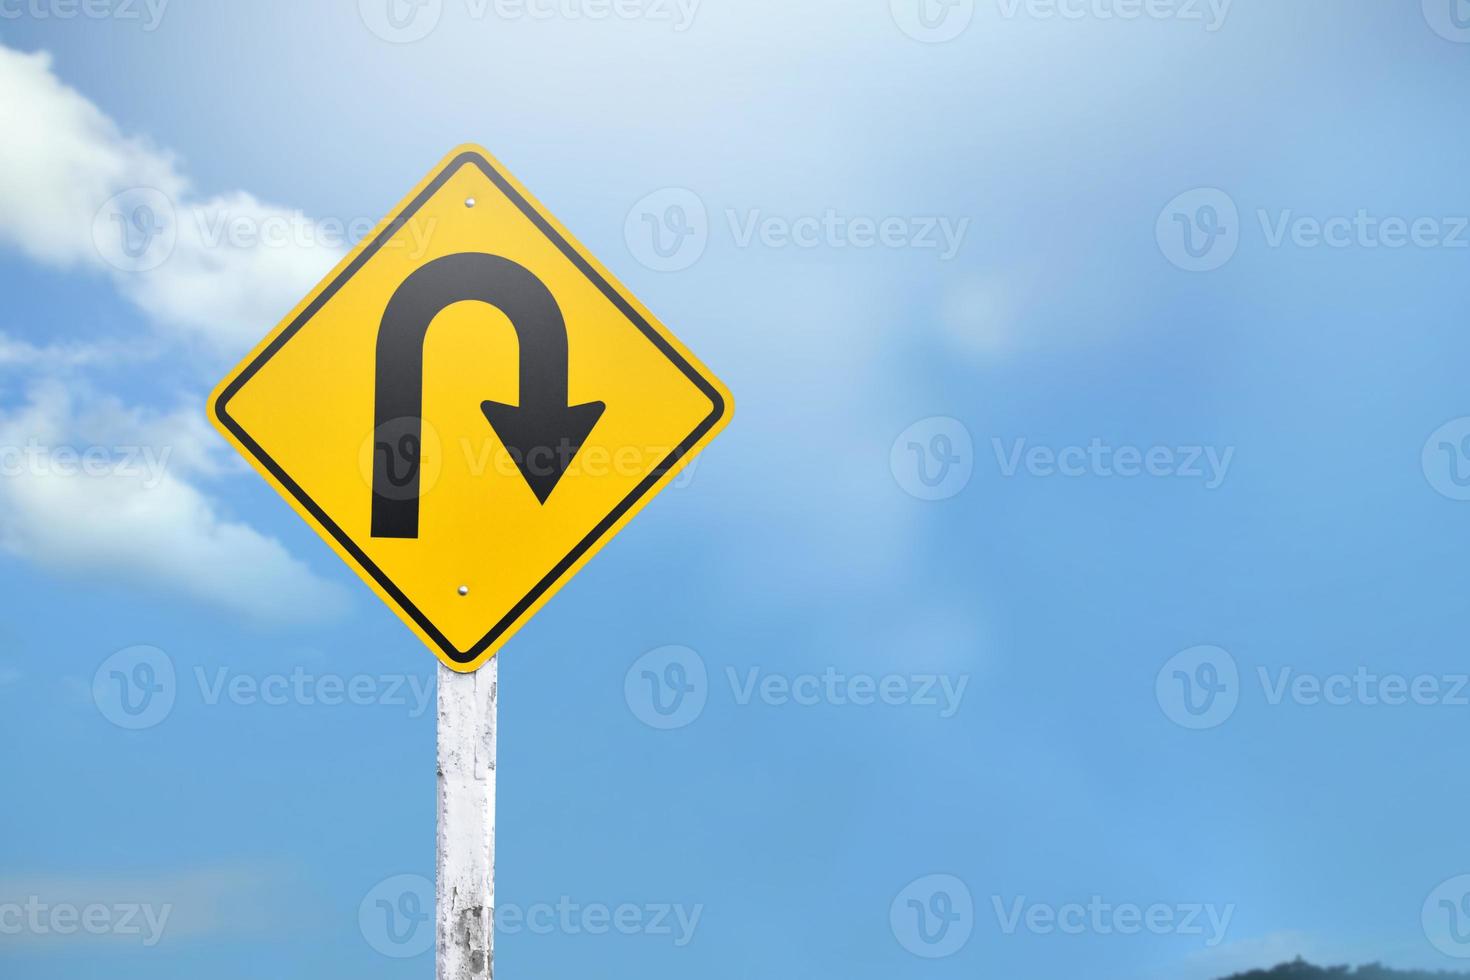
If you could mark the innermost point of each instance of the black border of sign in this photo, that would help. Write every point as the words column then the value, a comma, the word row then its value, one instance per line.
column 616, row 298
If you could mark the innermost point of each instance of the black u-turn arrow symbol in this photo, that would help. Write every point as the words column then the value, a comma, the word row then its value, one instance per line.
column 543, row 434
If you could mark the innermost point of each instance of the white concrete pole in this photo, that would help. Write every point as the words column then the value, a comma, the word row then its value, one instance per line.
column 466, row 853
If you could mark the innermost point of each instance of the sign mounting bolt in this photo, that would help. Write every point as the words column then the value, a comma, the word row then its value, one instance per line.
column 464, row 590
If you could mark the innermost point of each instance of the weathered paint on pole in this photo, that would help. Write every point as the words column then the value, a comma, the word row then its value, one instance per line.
column 466, row 847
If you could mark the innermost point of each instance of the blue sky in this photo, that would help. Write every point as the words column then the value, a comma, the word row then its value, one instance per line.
column 1219, row 247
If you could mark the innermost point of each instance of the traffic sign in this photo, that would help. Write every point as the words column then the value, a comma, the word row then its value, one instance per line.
column 468, row 407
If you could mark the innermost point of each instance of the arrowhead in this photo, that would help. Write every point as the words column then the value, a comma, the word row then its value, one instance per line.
column 543, row 442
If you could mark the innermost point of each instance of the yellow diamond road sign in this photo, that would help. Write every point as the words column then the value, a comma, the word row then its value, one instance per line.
column 468, row 407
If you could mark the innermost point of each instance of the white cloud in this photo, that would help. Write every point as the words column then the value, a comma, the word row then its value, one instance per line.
column 53, row 358
column 99, row 489
column 62, row 158
column 89, row 485
column 221, row 269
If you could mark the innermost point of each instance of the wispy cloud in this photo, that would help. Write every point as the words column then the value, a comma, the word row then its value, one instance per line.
column 66, row 164
column 148, row 911
column 55, row 358
column 95, row 488
column 90, row 485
